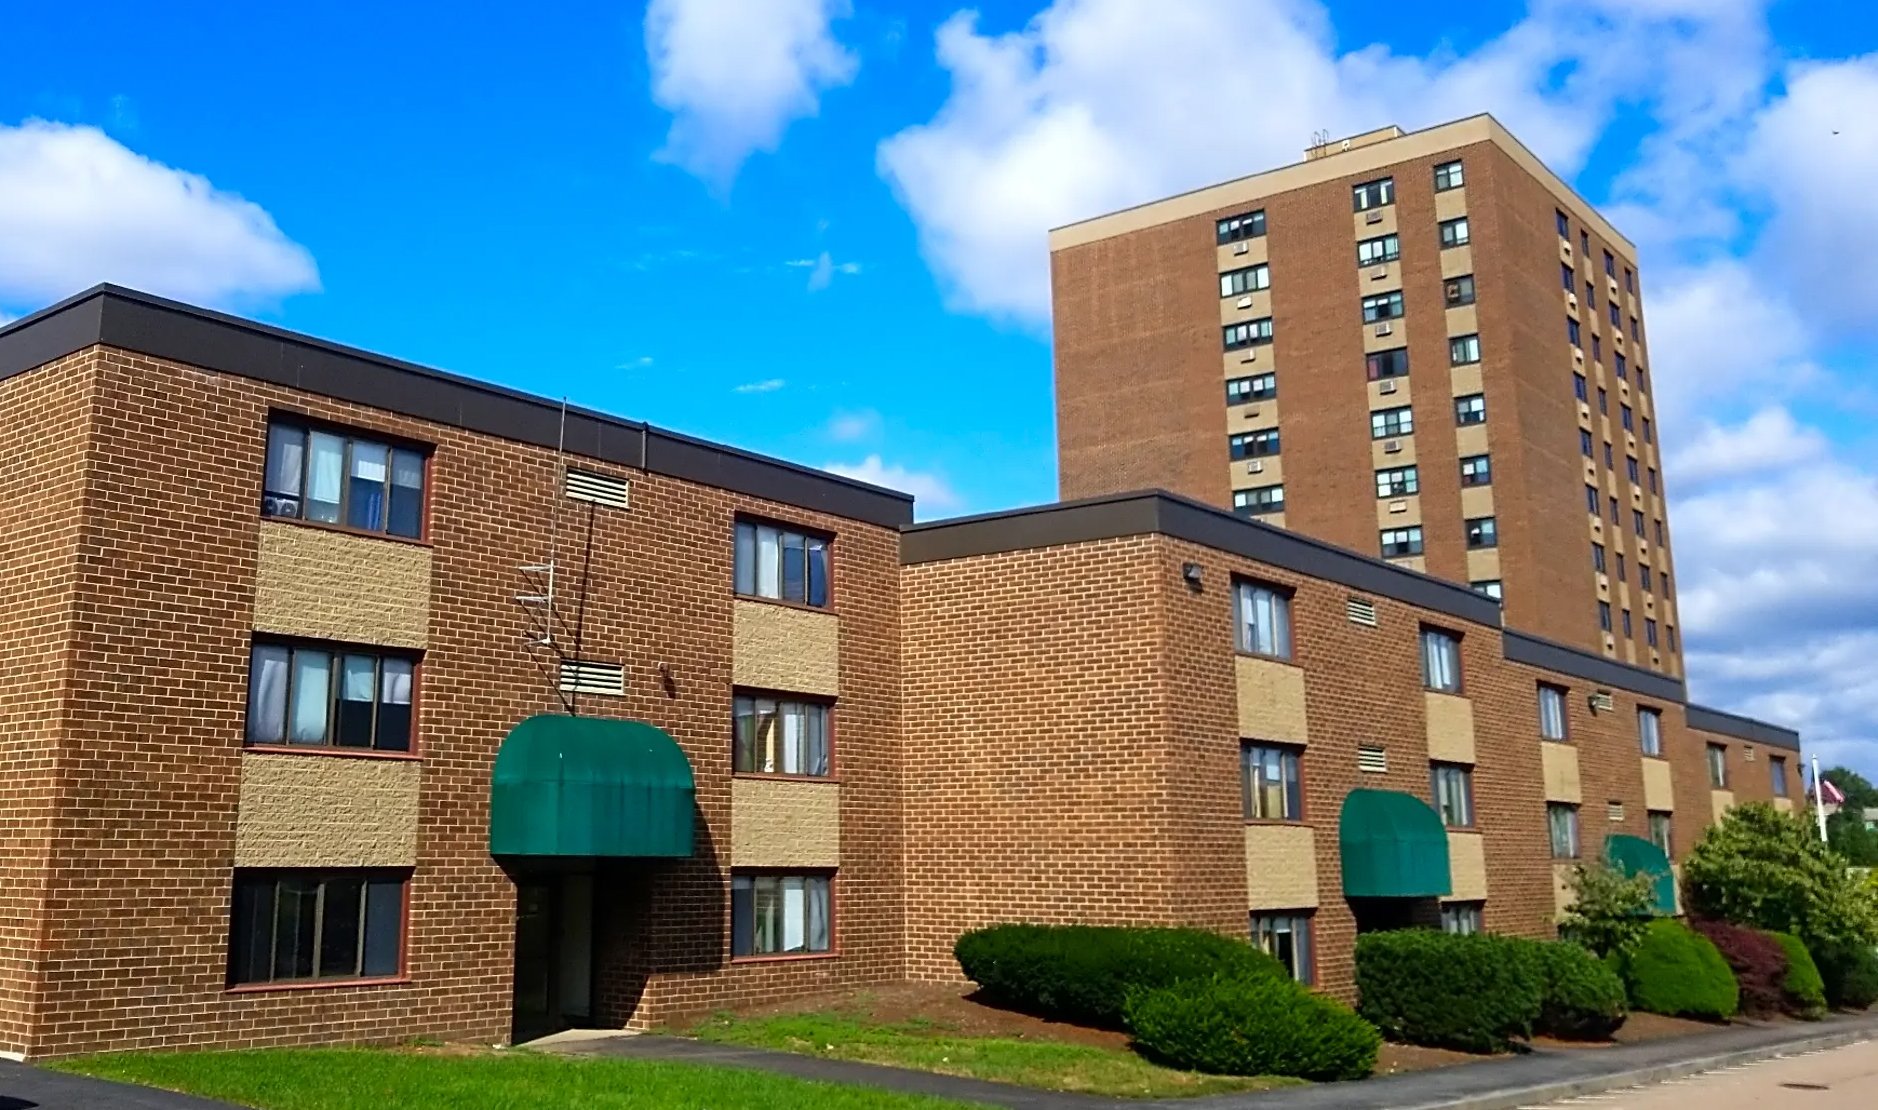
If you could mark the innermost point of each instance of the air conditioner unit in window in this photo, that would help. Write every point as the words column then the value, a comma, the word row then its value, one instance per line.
column 1379, row 273
column 1601, row 699
column 1384, row 328
column 1244, row 302
column 1398, row 506
column 1374, row 216
column 1391, row 446
column 1251, row 355
column 1571, row 301
column 1256, row 466
column 1578, row 355
column 1386, row 387
column 1242, row 248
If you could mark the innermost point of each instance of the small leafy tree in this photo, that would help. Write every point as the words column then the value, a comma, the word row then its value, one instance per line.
column 1846, row 828
column 1764, row 868
column 1610, row 910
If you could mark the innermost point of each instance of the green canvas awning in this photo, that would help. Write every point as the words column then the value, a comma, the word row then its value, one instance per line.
column 1634, row 855
column 1394, row 846
column 584, row 786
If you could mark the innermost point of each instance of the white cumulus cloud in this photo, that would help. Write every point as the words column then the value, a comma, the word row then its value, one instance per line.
column 735, row 74
column 78, row 208
column 767, row 385
column 931, row 492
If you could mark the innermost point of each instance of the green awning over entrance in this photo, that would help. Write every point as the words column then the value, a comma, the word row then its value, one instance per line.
column 585, row 786
column 1394, row 846
column 1634, row 855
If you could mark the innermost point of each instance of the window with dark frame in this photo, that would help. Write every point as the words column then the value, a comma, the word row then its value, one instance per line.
column 321, row 695
column 1400, row 542
column 1386, row 423
column 333, row 477
column 1378, row 251
column 1578, row 388
column 1597, row 553
column 1718, row 766
column 1454, row 794
column 1597, row 347
column 1604, row 615
column 1251, row 279
column 1251, row 225
column 1621, row 367
column 1251, row 333
column 1258, row 387
column 1463, row 350
column 300, row 926
column 1454, row 233
column 1568, row 277
column 1591, row 499
column 1373, row 194
column 1649, row 628
column 781, row 564
column 1253, row 445
column 1269, row 787
column 1448, row 175
column 1258, row 501
column 1399, row 481
column 1441, row 660
column 1459, row 291
column 1604, row 401
column 1490, row 587
column 1461, row 918
column 1392, row 363
column 781, row 914
column 1264, row 619
column 1610, row 264
column 1482, row 532
column 1477, row 470
column 780, row 736
column 1650, row 731
column 1286, row 937
column 1777, row 773
column 1552, row 716
column 1471, row 409
column 1564, row 225
column 1585, row 445
column 1382, row 306
column 1661, row 824
column 1571, row 332
column 1562, row 823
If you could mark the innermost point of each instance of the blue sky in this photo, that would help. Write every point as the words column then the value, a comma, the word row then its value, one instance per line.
column 815, row 228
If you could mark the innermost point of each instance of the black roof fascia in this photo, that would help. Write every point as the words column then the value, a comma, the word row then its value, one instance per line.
column 1536, row 652
column 1742, row 728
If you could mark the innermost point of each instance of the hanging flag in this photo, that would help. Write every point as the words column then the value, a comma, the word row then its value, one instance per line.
column 1830, row 794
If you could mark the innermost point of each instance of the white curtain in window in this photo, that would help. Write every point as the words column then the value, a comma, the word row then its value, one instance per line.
column 816, row 762
column 794, row 915
column 819, row 915
column 312, row 695
column 407, row 470
column 328, row 472
column 286, row 461
column 361, row 673
column 794, row 737
column 1551, row 714
column 267, row 696
column 1438, row 661
column 768, row 562
column 396, row 683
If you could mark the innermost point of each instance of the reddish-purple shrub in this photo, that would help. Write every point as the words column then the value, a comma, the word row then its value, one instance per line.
column 1758, row 961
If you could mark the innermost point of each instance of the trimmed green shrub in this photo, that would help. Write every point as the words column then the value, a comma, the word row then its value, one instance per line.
column 1581, row 999
column 1473, row 993
column 1804, row 991
column 1263, row 1025
column 1676, row 971
column 1758, row 961
column 1083, row 973
column 1849, row 972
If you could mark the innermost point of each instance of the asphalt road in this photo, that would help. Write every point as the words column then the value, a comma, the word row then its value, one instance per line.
column 1836, row 1079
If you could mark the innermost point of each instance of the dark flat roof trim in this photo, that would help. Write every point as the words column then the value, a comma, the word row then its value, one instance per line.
column 1157, row 511
column 1536, row 652
column 1742, row 728
column 166, row 329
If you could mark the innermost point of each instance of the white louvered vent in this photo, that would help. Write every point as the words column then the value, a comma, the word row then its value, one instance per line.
column 584, row 676
column 1360, row 610
column 601, row 489
column 1372, row 760
column 1747, row 753
column 1601, row 702
column 1617, row 813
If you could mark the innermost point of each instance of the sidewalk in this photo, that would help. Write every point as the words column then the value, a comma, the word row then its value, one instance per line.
column 1498, row 1084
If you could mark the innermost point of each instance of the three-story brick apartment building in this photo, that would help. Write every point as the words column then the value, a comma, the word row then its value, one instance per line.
column 345, row 699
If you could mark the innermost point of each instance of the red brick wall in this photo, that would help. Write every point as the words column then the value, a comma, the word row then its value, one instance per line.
column 134, row 955
column 45, row 439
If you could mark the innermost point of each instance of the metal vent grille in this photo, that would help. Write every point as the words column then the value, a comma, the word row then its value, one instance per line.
column 1617, row 813
column 583, row 676
column 1372, row 760
column 601, row 489
column 1601, row 701
column 1360, row 610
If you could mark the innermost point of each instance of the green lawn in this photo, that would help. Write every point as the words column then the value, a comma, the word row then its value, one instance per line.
column 1052, row 1065
column 379, row 1079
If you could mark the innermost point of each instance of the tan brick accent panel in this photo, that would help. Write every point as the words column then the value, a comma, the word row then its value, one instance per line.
column 1467, row 864
column 1561, row 772
column 1784, row 805
column 332, row 586
column 1271, row 700
column 1280, row 867
column 326, row 811
column 1450, row 727
column 784, row 824
column 779, row 647
column 1720, row 802
column 1658, row 793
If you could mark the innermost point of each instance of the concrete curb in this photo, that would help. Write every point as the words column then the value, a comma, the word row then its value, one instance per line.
column 1539, row 1094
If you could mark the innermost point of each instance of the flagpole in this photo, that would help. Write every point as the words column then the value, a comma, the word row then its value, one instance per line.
column 1819, row 800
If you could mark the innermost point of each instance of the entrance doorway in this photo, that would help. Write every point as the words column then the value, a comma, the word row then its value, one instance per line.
column 553, row 954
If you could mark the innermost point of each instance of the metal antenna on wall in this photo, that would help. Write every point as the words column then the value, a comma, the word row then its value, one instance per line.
column 539, row 603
